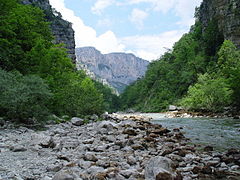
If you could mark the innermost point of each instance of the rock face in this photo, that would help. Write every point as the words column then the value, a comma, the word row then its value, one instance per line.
column 227, row 14
column 118, row 69
column 61, row 29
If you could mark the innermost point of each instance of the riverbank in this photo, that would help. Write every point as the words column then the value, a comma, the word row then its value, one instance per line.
column 127, row 147
column 190, row 114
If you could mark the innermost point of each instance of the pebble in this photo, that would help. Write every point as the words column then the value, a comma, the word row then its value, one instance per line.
column 116, row 148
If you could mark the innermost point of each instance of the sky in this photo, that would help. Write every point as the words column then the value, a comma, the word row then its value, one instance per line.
column 146, row 28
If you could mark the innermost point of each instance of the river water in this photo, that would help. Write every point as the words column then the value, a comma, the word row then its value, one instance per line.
column 222, row 134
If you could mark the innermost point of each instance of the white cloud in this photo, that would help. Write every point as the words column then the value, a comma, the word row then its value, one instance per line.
column 185, row 9
column 153, row 46
column 85, row 35
column 104, row 22
column 100, row 5
column 137, row 17
column 182, row 8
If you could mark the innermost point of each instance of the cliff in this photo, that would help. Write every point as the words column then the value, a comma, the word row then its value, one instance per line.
column 117, row 69
column 61, row 29
column 227, row 15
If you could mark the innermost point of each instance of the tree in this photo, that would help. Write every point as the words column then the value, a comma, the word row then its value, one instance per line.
column 229, row 67
column 209, row 94
column 21, row 27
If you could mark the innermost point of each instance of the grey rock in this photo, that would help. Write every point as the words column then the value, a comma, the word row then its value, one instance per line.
column 18, row 148
column 48, row 143
column 131, row 160
column 228, row 20
column 77, row 121
column 95, row 169
column 89, row 156
column 108, row 125
column 63, row 175
column 158, row 165
column 235, row 168
column 172, row 108
column 103, row 163
column 46, row 178
column 126, row 173
column 54, row 168
column 84, row 164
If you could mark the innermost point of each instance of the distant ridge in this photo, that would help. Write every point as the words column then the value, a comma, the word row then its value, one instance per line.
column 116, row 69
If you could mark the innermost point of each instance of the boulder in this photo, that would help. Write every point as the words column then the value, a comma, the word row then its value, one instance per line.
column 107, row 125
column 77, row 121
column 158, row 167
column 48, row 143
column 172, row 108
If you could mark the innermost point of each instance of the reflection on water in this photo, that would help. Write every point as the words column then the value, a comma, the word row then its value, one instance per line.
column 219, row 133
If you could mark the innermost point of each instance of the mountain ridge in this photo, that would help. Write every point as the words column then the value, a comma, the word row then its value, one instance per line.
column 118, row 69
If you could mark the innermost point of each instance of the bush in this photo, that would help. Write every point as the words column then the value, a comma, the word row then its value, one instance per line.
column 210, row 94
column 23, row 98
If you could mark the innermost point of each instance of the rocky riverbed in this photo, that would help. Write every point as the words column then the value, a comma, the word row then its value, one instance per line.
column 118, row 147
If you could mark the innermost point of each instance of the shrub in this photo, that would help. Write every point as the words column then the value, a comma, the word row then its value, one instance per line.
column 209, row 93
column 23, row 98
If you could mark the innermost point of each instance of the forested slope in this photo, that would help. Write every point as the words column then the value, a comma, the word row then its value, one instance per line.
column 201, row 72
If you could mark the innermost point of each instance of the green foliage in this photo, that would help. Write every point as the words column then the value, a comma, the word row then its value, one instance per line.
column 229, row 68
column 23, row 97
column 168, row 79
column 26, row 46
column 21, row 27
column 209, row 94
column 79, row 97
column 111, row 101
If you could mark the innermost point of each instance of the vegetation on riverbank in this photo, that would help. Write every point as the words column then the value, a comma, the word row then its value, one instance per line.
column 36, row 76
column 200, row 73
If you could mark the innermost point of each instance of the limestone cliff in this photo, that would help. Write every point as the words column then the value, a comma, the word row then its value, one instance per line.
column 118, row 69
column 61, row 29
column 227, row 15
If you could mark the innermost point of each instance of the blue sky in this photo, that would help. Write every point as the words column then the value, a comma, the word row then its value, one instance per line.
column 142, row 27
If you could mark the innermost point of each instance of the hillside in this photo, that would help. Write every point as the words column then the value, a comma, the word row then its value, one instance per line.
column 201, row 72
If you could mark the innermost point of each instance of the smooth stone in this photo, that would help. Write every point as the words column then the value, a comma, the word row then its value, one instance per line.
column 158, row 166
column 18, row 149
column 90, row 157
column 77, row 121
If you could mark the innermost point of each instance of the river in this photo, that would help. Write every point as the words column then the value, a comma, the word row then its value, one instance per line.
column 222, row 134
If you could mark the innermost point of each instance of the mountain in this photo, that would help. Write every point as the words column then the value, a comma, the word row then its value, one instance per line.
column 117, row 69
column 62, row 30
